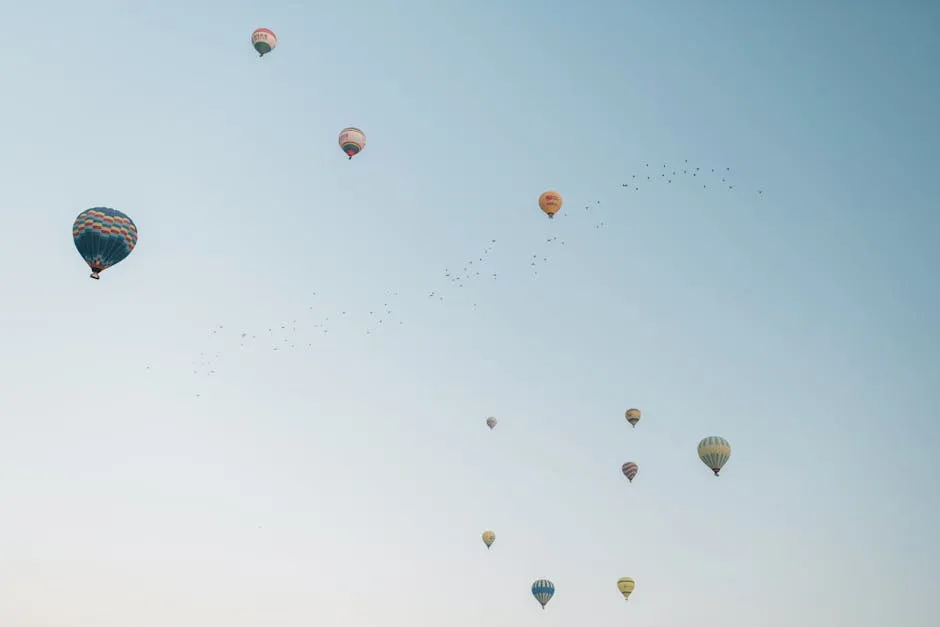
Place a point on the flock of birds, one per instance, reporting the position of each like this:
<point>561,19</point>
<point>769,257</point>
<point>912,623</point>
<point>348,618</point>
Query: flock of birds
<point>105,236</point>
<point>669,173</point>
<point>299,331</point>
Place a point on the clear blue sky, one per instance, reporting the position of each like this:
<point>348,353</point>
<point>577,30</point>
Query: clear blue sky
<point>346,481</point>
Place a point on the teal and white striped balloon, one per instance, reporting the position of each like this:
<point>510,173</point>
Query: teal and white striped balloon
<point>543,590</point>
<point>714,452</point>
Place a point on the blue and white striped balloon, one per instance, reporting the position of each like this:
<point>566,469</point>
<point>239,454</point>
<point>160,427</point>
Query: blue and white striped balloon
<point>543,590</point>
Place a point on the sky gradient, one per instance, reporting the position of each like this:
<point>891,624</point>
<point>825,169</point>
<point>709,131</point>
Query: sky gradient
<point>346,481</point>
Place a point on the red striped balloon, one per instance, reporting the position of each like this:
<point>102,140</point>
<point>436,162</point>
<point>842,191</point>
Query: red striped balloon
<point>629,470</point>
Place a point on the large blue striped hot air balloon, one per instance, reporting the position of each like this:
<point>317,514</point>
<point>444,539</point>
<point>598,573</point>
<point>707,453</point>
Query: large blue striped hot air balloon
<point>714,452</point>
<point>104,237</point>
<point>543,590</point>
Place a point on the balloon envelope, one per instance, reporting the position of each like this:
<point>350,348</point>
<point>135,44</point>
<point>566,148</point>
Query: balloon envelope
<point>491,422</point>
<point>264,40</point>
<point>543,590</point>
<point>714,452</point>
<point>352,141</point>
<point>629,470</point>
<point>488,538</point>
<point>104,237</point>
<point>550,202</point>
<point>632,416</point>
<point>626,586</point>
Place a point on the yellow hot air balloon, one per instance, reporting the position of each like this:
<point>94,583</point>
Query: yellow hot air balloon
<point>550,202</point>
<point>488,538</point>
<point>632,415</point>
<point>626,586</point>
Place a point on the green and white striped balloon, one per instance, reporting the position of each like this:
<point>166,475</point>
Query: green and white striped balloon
<point>714,452</point>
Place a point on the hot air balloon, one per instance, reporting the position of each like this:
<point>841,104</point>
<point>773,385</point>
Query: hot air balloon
<point>714,452</point>
<point>264,40</point>
<point>632,416</point>
<point>491,422</point>
<point>352,141</point>
<point>629,470</point>
<point>543,590</point>
<point>626,586</point>
<point>104,237</point>
<point>488,538</point>
<point>550,202</point>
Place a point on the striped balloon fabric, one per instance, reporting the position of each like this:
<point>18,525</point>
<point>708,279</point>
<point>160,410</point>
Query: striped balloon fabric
<point>104,237</point>
<point>263,40</point>
<point>629,470</point>
<point>543,590</point>
<point>714,452</point>
<point>352,141</point>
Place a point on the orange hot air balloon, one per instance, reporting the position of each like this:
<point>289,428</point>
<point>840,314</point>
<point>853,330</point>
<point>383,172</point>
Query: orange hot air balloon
<point>550,202</point>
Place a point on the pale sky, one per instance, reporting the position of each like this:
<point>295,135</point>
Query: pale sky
<point>154,472</point>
